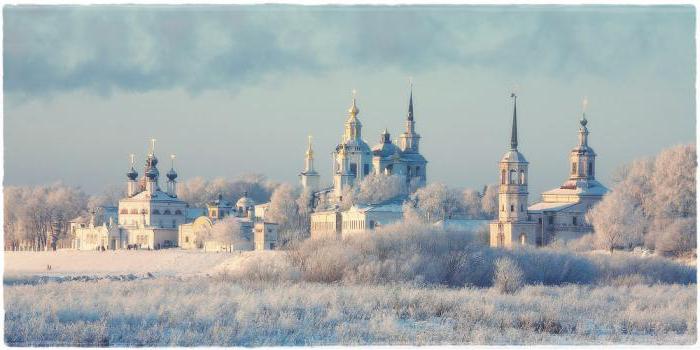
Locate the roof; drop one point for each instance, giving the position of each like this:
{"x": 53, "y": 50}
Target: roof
{"x": 392, "y": 206}
{"x": 415, "y": 157}
{"x": 158, "y": 195}
{"x": 385, "y": 149}
{"x": 550, "y": 206}
{"x": 513, "y": 156}
{"x": 581, "y": 187}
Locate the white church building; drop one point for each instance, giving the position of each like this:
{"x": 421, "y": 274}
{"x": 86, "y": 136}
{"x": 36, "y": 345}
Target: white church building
{"x": 561, "y": 214}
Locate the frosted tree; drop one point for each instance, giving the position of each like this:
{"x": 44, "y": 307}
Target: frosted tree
{"x": 471, "y": 203}
{"x": 284, "y": 210}
{"x": 227, "y": 231}
{"x": 198, "y": 191}
{"x": 377, "y": 188}
{"x": 508, "y": 276}
{"x": 617, "y": 222}
{"x": 653, "y": 199}
{"x": 489, "y": 201}
{"x": 437, "y": 202}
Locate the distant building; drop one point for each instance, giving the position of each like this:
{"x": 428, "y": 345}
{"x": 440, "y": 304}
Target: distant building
{"x": 148, "y": 217}
{"x": 370, "y": 217}
{"x": 561, "y": 214}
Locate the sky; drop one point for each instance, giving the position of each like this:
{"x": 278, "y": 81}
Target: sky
{"x": 233, "y": 90}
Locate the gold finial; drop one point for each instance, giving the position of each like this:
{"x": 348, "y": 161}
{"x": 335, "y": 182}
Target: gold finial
{"x": 131, "y": 158}
{"x": 172, "y": 161}
{"x": 309, "y": 151}
{"x": 585, "y": 104}
{"x": 153, "y": 146}
{"x": 353, "y": 109}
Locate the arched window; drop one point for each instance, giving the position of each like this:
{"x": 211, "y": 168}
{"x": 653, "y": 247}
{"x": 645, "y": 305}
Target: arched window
{"x": 124, "y": 211}
{"x": 523, "y": 239}
{"x": 178, "y": 212}
{"x": 134, "y": 211}
{"x": 144, "y": 211}
{"x": 574, "y": 221}
{"x": 512, "y": 207}
{"x": 513, "y": 177}
{"x": 166, "y": 212}
{"x": 522, "y": 177}
{"x": 521, "y": 207}
{"x": 573, "y": 168}
{"x": 503, "y": 177}
{"x": 590, "y": 168}
{"x": 156, "y": 212}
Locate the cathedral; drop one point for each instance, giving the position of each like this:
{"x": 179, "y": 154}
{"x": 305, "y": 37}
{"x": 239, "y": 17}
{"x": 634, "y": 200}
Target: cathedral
{"x": 561, "y": 215}
{"x": 353, "y": 160}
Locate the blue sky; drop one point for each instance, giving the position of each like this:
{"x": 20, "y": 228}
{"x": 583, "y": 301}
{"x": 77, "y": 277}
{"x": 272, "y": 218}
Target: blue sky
{"x": 236, "y": 89}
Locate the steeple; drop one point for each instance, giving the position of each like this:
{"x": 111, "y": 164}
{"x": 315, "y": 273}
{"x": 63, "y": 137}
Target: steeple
{"x": 310, "y": 179}
{"x": 514, "y": 130}
{"x": 410, "y": 105}
{"x": 409, "y": 139}
{"x": 353, "y": 126}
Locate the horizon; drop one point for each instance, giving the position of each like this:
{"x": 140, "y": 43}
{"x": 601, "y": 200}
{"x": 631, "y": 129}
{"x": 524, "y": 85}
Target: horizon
{"x": 240, "y": 91}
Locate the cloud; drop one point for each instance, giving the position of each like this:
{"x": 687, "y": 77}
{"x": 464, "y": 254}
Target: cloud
{"x": 52, "y": 49}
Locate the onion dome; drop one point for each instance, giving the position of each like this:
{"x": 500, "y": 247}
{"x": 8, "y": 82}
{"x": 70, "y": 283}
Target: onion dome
{"x": 385, "y": 148}
{"x": 151, "y": 161}
{"x": 132, "y": 174}
{"x": 152, "y": 173}
{"x": 172, "y": 175}
{"x": 245, "y": 201}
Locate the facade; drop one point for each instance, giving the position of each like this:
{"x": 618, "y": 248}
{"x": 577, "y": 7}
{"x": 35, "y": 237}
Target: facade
{"x": 265, "y": 235}
{"x": 370, "y": 217}
{"x": 560, "y": 214}
{"x": 148, "y": 217}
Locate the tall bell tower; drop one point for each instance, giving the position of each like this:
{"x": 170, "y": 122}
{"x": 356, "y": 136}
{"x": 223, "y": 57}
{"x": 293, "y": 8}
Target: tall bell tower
{"x": 513, "y": 226}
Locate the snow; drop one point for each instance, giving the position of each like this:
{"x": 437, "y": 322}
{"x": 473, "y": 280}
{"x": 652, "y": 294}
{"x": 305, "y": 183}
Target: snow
{"x": 166, "y": 262}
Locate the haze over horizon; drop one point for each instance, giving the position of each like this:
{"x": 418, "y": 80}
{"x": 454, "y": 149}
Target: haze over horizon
{"x": 233, "y": 90}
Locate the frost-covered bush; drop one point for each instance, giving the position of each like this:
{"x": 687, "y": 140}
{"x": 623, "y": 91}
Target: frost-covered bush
{"x": 508, "y": 277}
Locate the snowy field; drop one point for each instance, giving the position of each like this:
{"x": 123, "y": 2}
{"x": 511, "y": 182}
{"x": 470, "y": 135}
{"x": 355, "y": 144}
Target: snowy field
{"x": 217, "y": 311}
{"x": 166, "y": 262}
{"x": 184, "y": 298}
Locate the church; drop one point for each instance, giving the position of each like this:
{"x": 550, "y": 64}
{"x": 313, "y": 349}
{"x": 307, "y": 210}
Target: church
{"x": 561, "y": 214}
{"x": 148, "y": 217}
{"x": 353, "y": 160}
{"x": 152, "y": 218}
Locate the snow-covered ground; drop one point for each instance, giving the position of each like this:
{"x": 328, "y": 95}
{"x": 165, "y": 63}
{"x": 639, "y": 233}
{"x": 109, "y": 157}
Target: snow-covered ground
{"x": 167, "y": 262}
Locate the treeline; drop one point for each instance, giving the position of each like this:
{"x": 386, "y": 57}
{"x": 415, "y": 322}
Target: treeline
{"x": 652, "y": 204}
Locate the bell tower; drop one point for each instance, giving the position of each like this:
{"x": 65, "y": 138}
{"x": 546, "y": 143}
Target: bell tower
{"x": 512, "y": 192}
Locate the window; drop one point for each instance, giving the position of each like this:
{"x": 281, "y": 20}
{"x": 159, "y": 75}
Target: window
{"x": 503, "y": 177}
{"x": 590, "y": 168}
{"x": 366, "y": 169}
{"x": 551, "y": 220}
{"x": 187, "y": 239}
{"x": 513, "y": 177}
{"x": 539, "y": 221}
{"x": 178, "y": 212}
{"x": 371, "y": 224}
{"x": 503, "y": 208}
{"x": 522, "y": 177}
{"x": 353, "y": 168}
{"x": 417, "y": 171}
{"x": 512, "y": 207}
{"x": 574, "y": 220}
{"x": 523, "y": 239}
{"x": 573, "y": 168}
{"x": 134, "y": 211}
{"x": 156, "y": 212}
{"x": 521, "y": 207}
{"x": 124, "y": 211}
{"x": 166, "y": 212}
{"x": 174, "y": 223}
